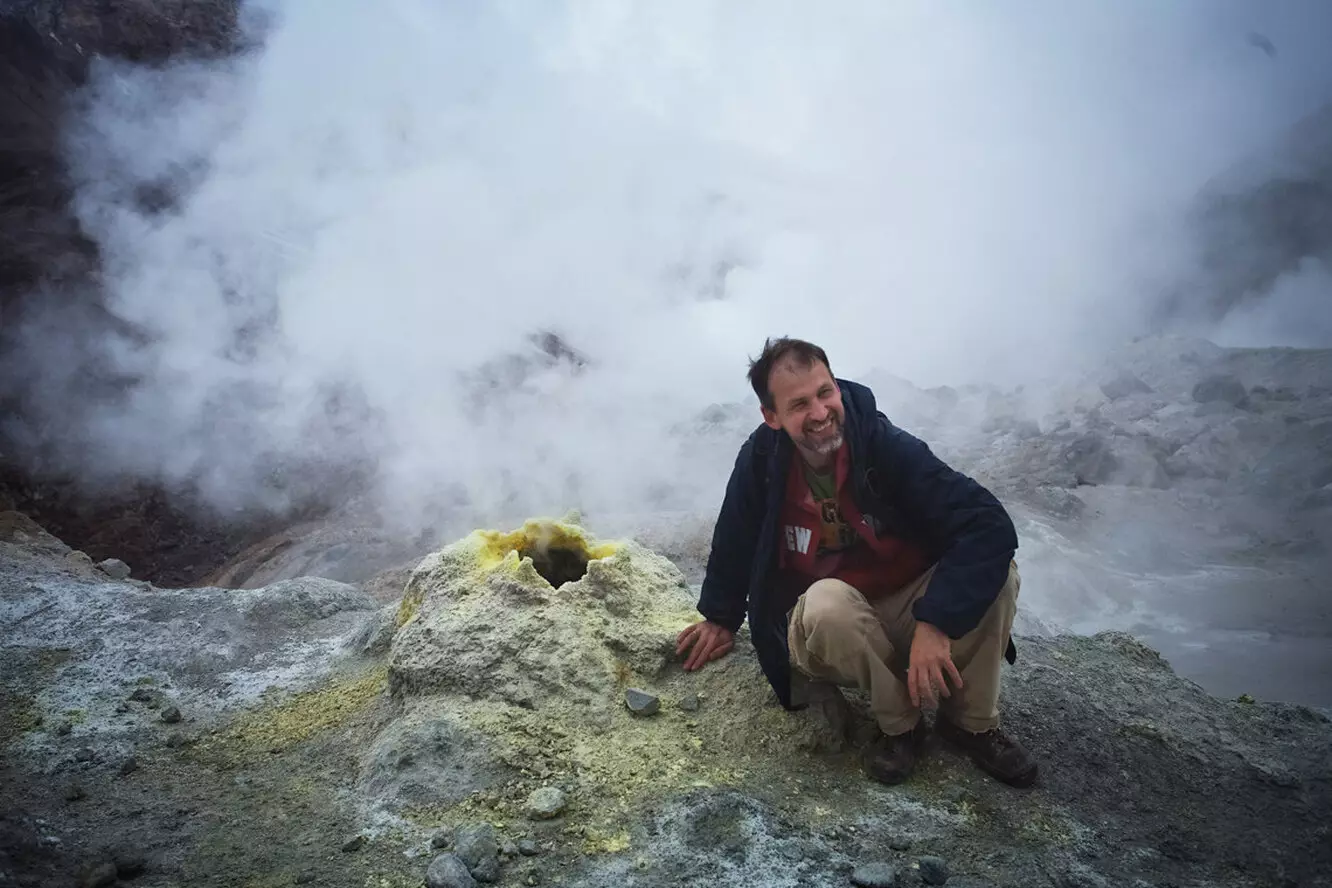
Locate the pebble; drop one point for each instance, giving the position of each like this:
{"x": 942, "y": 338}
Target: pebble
{"x": 448, "y": 871}
{"x": 933, "y": 871}
{"x": 354, "y": 844}
{"x": 171, "y": 715}
{"x": 442, "y": 839}
{"x": 141, "y": 695}
{"x": 528, "y": 848}
{"x": 129, "y": 766}
{"x": 545, "y": 803}
{"x": 82, "y": 559}
{"x": 83, "y": 755}
{"x": 689, "y": 703}
{"x": 306, "y": 878}
{"x": 115, "y": 568}
{"x": 64, "y": 729}
{"x": 875, "y": 875}
{"x": 475, "y": 844}
{"x": 73, "y": 792}
{"x": 641, "y": 702}
{"x": 508, "y": 848}
{"x": 488, "y": 870}
{"x": 101, "y": 875}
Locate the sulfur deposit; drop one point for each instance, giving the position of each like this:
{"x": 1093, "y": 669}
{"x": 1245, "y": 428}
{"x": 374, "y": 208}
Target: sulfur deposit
{"x": 539, "y": 666}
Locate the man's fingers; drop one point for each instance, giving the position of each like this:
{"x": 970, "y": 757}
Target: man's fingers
{"x": 702, "y": 651}
{"x": 937, "y": 676}
{"x": 685, "y": 638}
{"x": 952, "y": 670}
{"x": 722, "y": 650}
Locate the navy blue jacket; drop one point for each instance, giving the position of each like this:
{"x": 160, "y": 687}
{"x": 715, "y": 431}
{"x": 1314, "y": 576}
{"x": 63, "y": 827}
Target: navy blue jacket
{"x": 911, "y": 494}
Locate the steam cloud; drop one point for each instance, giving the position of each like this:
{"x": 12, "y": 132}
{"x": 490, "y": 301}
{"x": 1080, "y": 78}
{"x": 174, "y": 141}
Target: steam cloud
{"x": 339, "y": 247}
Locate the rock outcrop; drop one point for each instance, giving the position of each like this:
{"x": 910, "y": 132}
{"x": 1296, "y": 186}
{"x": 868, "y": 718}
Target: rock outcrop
{"x": 492, "y": 732}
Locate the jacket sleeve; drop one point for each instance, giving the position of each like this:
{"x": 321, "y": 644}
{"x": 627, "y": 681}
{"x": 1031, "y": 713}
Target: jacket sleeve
{"x": 734, "y": 539}
{"x": 962, "y": 521}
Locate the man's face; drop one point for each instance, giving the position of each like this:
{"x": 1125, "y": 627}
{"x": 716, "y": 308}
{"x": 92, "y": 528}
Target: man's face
{"x": 807, "y": 405}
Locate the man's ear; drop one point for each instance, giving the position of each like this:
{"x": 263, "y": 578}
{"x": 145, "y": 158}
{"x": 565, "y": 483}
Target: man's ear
{"x": 770, "y": 419}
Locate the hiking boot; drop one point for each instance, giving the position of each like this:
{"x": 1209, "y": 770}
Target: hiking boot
{"x": 993, "y": 751}
{"x": 891, "y": 758}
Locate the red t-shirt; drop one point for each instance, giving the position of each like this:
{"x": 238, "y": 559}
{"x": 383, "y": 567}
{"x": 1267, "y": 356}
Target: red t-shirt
{"x": 823, "y": 538}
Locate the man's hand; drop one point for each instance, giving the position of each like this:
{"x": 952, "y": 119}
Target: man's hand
{"x": 931, "y": 665}
{"x": 709, "y": 642}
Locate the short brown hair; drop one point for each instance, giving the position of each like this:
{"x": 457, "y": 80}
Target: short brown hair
{"x": 776, "y": 350}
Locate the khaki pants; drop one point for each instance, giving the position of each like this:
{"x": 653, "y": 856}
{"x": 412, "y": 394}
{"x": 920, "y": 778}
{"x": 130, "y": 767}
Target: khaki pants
{"x": 836, "y": 635}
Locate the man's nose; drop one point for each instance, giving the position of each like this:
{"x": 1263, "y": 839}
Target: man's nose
{"x": 819, "y": 412}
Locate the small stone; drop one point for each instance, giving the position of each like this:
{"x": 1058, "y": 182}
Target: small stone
{"x": 448, "y": 871}
{"x": 1223, "y": 388}
{"x": 875, "y": 875}
{"x": 899, "y": 843}
{"x": 73, "y": 792}
{"x": 64, "y": 729}
{"x": 129, "y": 766}
{"x": 122, "y": 708}
{"x": 114, "y": 568}
{"x": 306, "y": 878}
{"x": 442, "y": 839}
{"x": 933, "y": 871}
{"x": 82, "y": 559}
{"x": 356, "y": 843}
{"x": 545, "y": 803}
{"x": 689, "y": 703}
{"x": 532, "y": 879}
{"x": 641, "y": 702}
{"x": 100, "y": 876}
{"x": 508, "y": 848}
{"x": 130, "y": 866}
{"x": 84, "y": 755}
{"x": 171, "y": 715}
{"x": 141, "y": 695}
{"x": 475, "y": 844}
{"x": 528, "y": 848}
{"x": 488, "y": 870}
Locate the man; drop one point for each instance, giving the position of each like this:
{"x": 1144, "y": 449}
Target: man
{"x": 861, "y": 559}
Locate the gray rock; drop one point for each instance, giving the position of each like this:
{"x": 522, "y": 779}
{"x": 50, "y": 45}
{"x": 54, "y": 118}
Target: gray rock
{"x": 425, "y": 758}
{"x": 689, "y": 703}
{"x": 442, "y": 839}
{"x": 171, "y": 715}
{"x": 641, "y": 702}
{"x": 64, "y": 729}
{"x": 1123, "y": 385}
{"x": 129, "y": 766}
{"x": 476, "y": 844}
{"x": 508, "y": 848}
{"x": 488, "y": 870}
{"x": 101, "y": 875}
{"x": 356, "y": 843}
{"x": 114, "y": 568}
{"x": 142, "y": 695}
{"x": 84, "y": 755}
{"x": 1224, "y": 388}
{"x": 73, "y": 792}
{"x": 528, "y": 848}
{"x": 545, "y": 803}
{"x": 448, "y": 871}
{"x": 875, "y": 875}
{"x": 933, "y": 871}
{"x": 80, "y": 559}
{"x": 306, "y": 877}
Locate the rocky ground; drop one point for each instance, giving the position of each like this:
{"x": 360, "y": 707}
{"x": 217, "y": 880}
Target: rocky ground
{"x": 492, "y": 726}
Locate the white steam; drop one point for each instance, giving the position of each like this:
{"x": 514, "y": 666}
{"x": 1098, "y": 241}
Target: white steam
{"x": 389, "y": 199}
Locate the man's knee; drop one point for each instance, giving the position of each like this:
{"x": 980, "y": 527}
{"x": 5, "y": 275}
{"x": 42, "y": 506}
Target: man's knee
{"x": 832, "y": 609}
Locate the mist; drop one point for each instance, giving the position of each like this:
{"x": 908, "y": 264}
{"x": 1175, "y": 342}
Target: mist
{"x": 337, "y": 248}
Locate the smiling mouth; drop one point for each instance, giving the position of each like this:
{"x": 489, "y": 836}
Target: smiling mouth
{"x": 822, "y": 427}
